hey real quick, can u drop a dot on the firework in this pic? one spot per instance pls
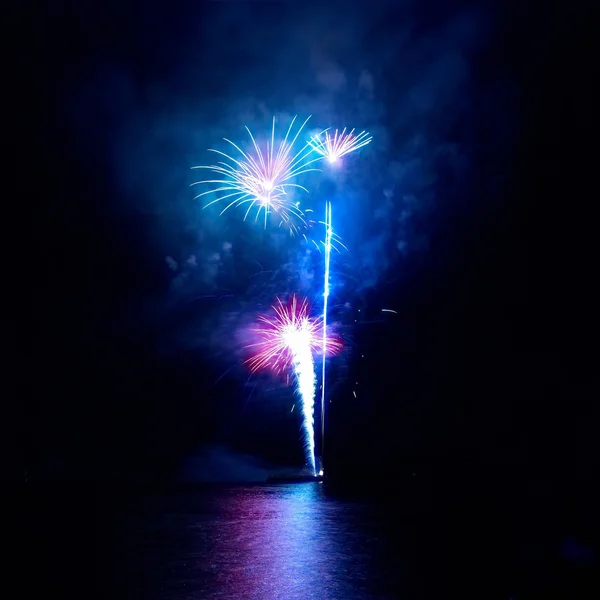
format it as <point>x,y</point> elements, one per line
<point>261,180</point>
<point>289,340</point>
<point>331,239</point>
<point>333,146</point>
<point>280,333</point>
<point>328,237</point>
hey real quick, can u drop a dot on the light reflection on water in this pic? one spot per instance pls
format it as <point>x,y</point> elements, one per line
<point>266,542</point>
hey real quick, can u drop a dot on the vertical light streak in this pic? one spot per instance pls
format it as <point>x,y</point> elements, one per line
<point>328,235</point>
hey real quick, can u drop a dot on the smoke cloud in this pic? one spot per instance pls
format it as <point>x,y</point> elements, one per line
<point>218,464</point>
<point>391,69</point>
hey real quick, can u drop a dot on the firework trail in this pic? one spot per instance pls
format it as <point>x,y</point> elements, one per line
<point>259,180</point>
<point>290,339</point>
<point>328,237</point>
<point>333,147</point>
<point>335,241</point>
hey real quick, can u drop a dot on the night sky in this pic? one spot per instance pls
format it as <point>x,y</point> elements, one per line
<point>471,214</point>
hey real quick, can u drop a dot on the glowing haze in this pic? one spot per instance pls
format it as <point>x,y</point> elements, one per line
<point>189,280</point>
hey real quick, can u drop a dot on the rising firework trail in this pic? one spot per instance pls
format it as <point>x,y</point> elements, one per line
<point>332,146</point>
<point>261,179</point>
<point>289,340</point>
<point>328,238</point>
<point>334,242</point>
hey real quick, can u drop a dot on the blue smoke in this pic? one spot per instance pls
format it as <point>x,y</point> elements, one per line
<point>392,69</point>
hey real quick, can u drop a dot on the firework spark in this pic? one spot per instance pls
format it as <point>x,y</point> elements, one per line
<point>289,340</point>
<point>331,241</point>
<point>260,180</point>
<point>291,323</point>
<point>333,147</point>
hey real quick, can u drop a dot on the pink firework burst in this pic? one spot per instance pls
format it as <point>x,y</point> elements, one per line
<point>291,331</point>
<point>334,146</point>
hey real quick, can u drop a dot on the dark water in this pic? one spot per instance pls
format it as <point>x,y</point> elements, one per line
<point>287,541</point>
<point>301,541</point>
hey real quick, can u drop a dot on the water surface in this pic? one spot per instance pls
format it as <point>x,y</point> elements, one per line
<point>298,541</point>
<point>287,541</point>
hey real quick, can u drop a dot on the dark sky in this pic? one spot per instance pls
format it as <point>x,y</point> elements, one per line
<point>470,214</point>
